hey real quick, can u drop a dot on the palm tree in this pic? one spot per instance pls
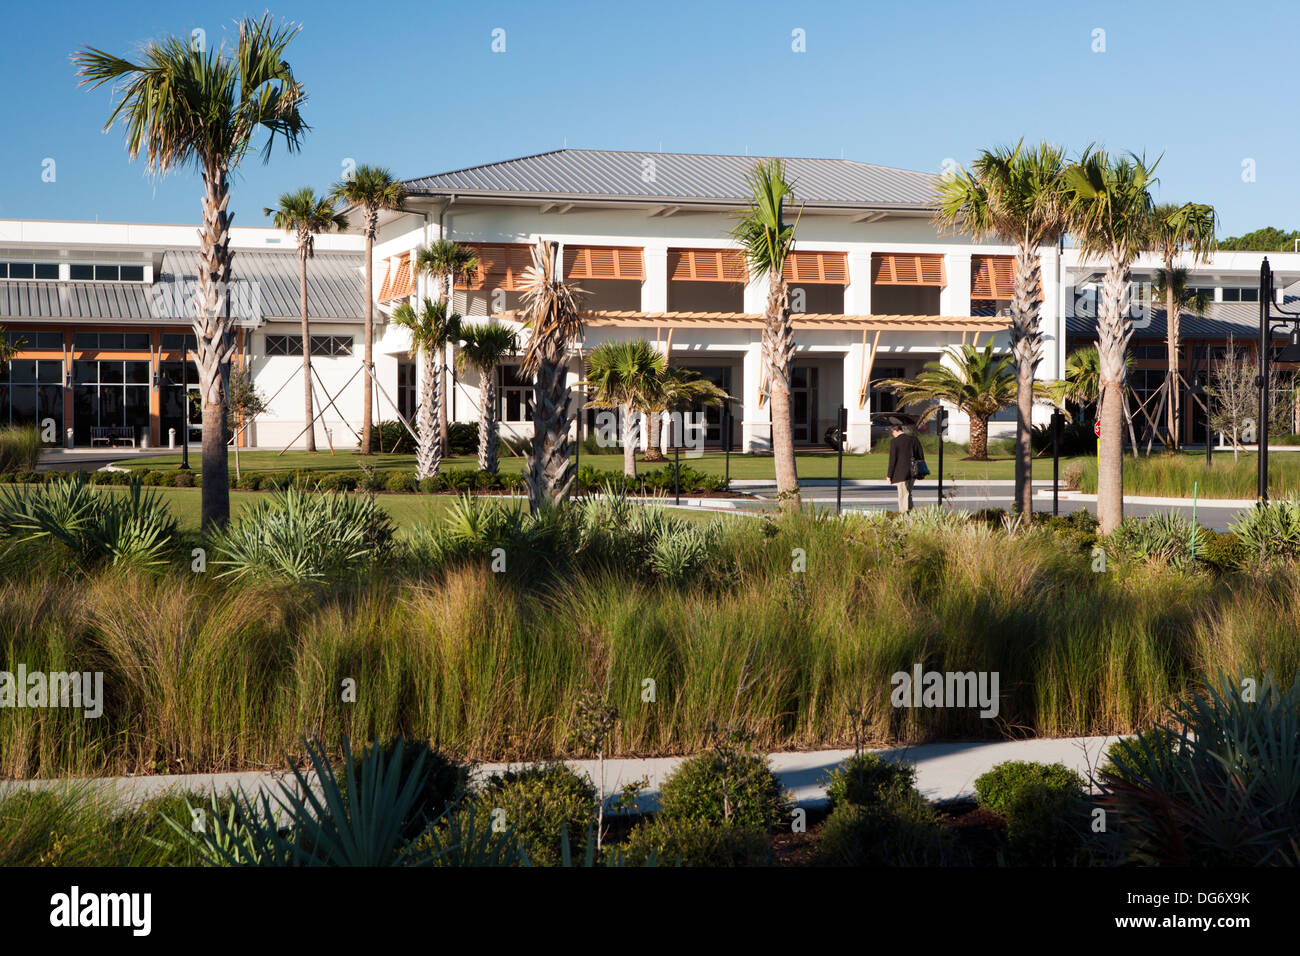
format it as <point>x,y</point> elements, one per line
<point>1018,196</point>
<point>484,345</point>
<point>1176,230</point>
<point>187,106</point>
<point>553,316</point>
<point>431,328</point>
<point>306,215</point>
<point>766,240</point>
<point>370,189</point>
<point>981,385</point>
<point>1110,212</point>
<point>626,376</point>
<point>447,263</point>
<point>680,389</point>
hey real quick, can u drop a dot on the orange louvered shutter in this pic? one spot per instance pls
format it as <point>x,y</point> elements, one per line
<point>896,268</point>
<point>992,277</point>
<point>386,283</point>
<point>402,285</point>
<point>500,266</point>
<point>603,262</point>
<point>817,268</point>
<point>706,265</point>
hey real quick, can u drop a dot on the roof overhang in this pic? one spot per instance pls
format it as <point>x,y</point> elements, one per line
<point>803,320</point>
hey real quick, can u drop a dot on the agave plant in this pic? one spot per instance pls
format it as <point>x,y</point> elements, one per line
<point>1226,793</point>
<point>1271,531</point>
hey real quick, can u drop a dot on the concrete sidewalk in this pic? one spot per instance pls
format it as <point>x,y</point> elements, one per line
<point>945,771</point>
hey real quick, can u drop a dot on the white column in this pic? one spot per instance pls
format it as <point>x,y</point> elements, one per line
<point>954,298</point>
<point>858,438</point>
<point>654,290</point>
<point>756,295</point>
<point>1049,317</point>
<point>858,298</point>
<point>755,425</point>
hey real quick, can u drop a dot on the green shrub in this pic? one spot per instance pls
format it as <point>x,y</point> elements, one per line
<point>90,523</point>
<point>1222,550</point>
<point>540,801</point>
<point>462,439</point>
<point>1164,537</point>
<point>332,481</point>
<point>1044,807</point>
<point>301,536</point>
<point>695,843</point>
<point>866,779</point>
<point>249,482</point>
<point>1226,793</point>
<point>900,830</point>
<point>1272,531</point>
<point>391,438</point>
<point>401,481</point>
<point>735,789</point>
<point>431,485</point>
<point>275,481</point>
<point>183,479</point>
<point>997,789</point>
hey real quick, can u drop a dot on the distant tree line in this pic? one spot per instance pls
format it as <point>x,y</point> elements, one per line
<point>1268,239</point>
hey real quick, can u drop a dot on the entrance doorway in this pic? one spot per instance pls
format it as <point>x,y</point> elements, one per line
<point>803,402</point>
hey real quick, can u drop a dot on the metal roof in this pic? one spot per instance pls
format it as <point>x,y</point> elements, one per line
<point>266,287</point>
<point>1221,320</point>
<point>679,178</point>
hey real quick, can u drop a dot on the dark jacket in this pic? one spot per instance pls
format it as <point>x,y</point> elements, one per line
<point>902,449</point>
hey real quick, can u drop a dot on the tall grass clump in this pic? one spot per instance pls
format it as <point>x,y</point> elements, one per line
<point>20,448</point>
<point>1179,475</point>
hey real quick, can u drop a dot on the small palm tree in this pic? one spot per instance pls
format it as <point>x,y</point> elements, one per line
<point>431,328</point>
<point>1110,215</point>
<point>626,376</point>
<point>679,390</point>
<point>1082,382</point>
<point>767,240</point>
<point>184,105</point>
<point>447,263</point>
<point>306,215</point>
<point>484,345</point>
<point>982,384</point>
<point>553,316</point>
<point>370,189</point>
<point>1018,196</point>
<point>1176,230</point>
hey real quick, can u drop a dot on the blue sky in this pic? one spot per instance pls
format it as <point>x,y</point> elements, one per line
<point>416,87</point>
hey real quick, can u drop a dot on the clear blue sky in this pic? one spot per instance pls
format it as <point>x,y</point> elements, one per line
<point>416,87</point>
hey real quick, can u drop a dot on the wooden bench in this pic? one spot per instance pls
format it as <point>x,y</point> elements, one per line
<point>111,435</point>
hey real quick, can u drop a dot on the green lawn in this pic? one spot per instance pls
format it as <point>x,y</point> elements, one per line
<point>810,464</point>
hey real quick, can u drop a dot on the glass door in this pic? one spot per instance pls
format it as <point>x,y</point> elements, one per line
<point>803,403</point>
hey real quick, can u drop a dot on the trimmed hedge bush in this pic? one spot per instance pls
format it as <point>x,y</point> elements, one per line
<point>540,801</point>
<point>695,843</point>
<point>900,830</point>
<point>738,790</point>
<point>1044,807</point>
<point>868,779</point>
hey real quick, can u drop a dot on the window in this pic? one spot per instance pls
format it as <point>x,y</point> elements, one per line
<point>514,395</point>
<point>112,393</point>
<point>329,346</point>
<point>175,341</point>
<point>34,341</point>
<point>29,270</point>
<point>104,272</point>
<point>112,341</point>
<point>31,391</point>
<point>1239,294</point>
<point>406,389</point>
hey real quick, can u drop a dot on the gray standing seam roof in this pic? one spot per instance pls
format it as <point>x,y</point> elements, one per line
<point>680,177</point>
<point>333,290</point>
<point>1221,320</point>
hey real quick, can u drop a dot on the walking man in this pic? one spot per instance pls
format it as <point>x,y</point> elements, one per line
<point>903,450</point>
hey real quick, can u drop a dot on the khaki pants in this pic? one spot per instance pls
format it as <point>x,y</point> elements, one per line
<point>905,494</point>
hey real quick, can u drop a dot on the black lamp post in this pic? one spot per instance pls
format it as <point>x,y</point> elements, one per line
<point>185,397</point>
<point>1267,324</point>
<point>1058,424</point>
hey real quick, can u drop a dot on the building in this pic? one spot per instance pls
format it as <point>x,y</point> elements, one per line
<point>877,289</point>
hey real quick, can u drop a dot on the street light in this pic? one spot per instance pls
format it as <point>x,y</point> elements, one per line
<point>1290,354</point>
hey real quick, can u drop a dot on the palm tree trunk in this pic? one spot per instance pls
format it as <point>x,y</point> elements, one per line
<point>630,437</point>
<point>1027,347</point>
<point>427,457</point>
<point>550,469</point>
<point>1173,330</point>
<point>778,350</point>
<point>653,451</point>
<point>366,411</point>
<point>487,424</point>
<point>214,343</point>
<point>442,406</point>
<point>1113,333</point>
<point>979,438</point>
<point>306,354</point>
